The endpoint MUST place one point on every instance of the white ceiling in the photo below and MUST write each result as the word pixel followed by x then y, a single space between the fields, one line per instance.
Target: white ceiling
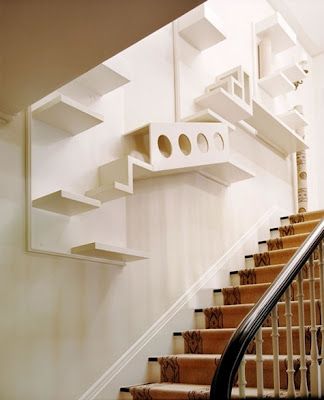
pixel 306 17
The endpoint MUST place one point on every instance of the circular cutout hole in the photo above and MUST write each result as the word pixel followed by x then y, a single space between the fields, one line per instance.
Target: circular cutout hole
pixel 164 145
pixel 219 142
pixel 184 144
pixel 202 143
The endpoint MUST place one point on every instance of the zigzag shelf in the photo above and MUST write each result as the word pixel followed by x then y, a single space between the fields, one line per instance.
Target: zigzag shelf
pixel 183 147
pixel 66 114
pixel 108 252
pixel 201 28
pixel 66 203
pixel 273 131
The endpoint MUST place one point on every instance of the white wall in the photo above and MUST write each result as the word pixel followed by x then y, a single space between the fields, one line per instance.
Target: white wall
pixel 65 322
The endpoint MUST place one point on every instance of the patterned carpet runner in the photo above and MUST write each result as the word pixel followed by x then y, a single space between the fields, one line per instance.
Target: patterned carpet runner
pixel 187 376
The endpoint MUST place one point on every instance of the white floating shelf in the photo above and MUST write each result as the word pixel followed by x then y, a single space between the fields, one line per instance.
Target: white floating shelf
pixel 294 119
pixel 276 28
pixel 228 172
pixel 208 115
pixel 221 102
pixel 273 131
pixel 101 80
pixel 294 72
pixel 105 251
pixel 66 203
pixel 276 84
pixel 66 114
pixel 201 28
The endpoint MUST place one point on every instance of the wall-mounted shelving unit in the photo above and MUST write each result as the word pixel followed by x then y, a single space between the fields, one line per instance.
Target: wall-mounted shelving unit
pixel 278 31
pixel 66 203
pixel 294 72
pixel 101 80
pixel 208 115
pixel 221 102
pixel 294 119
pixel 66 114
pixel 201 28
pixel 108 252
pixel 276 84
pixel 273 131
pixel 282 81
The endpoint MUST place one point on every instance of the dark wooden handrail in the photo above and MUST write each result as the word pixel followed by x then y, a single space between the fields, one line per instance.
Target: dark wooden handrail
pixel 223 379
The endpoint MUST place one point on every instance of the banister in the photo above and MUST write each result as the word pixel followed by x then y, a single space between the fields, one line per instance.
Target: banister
pixel 225 373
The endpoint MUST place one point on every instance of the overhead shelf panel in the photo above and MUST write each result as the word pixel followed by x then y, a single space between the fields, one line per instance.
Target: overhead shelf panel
pixel 227 172
pixel 108 252
pixel 201 28
pixel 294 119
pixel 101 80
pixel 278 31
pixel 273 131
pixel 230 107
pixel 66 203
pixel 66 114
pixel 276 84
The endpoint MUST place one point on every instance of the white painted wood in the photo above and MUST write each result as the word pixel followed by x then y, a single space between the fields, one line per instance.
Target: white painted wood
pixel 259 363
pixel 101 250
pixel 276 84
pixel 294 119
pixel 294 72
pixel 201 28
pixel 274 132
pixel 242 379
pixel 276 28
pixel 315 384
pixel 290 362
pixel 208 115
pixel 301 319
pixel 321 266
pixel 66 203
pixel 232 108
pixel 275 351
pixel 64 113
pixel 101 80
pixel 265 57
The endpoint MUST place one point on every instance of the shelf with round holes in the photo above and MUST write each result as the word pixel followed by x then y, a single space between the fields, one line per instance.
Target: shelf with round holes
pixel 171 148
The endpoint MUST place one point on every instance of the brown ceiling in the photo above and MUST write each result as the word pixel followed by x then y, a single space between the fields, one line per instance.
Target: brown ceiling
pixel 47 43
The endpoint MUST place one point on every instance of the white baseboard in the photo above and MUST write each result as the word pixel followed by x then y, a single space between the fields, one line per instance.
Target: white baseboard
pixel 107 377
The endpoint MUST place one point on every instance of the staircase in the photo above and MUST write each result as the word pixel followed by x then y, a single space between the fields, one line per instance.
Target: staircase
pixel 188 375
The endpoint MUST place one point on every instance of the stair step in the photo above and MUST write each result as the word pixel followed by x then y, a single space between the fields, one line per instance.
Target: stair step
pixel 199 369
pixel 214 341
pixel 286 241
pixel 181 391
pixel 301 227
pixel 307 216
pixel 263 274
pixel 230 316
pixel 250 293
